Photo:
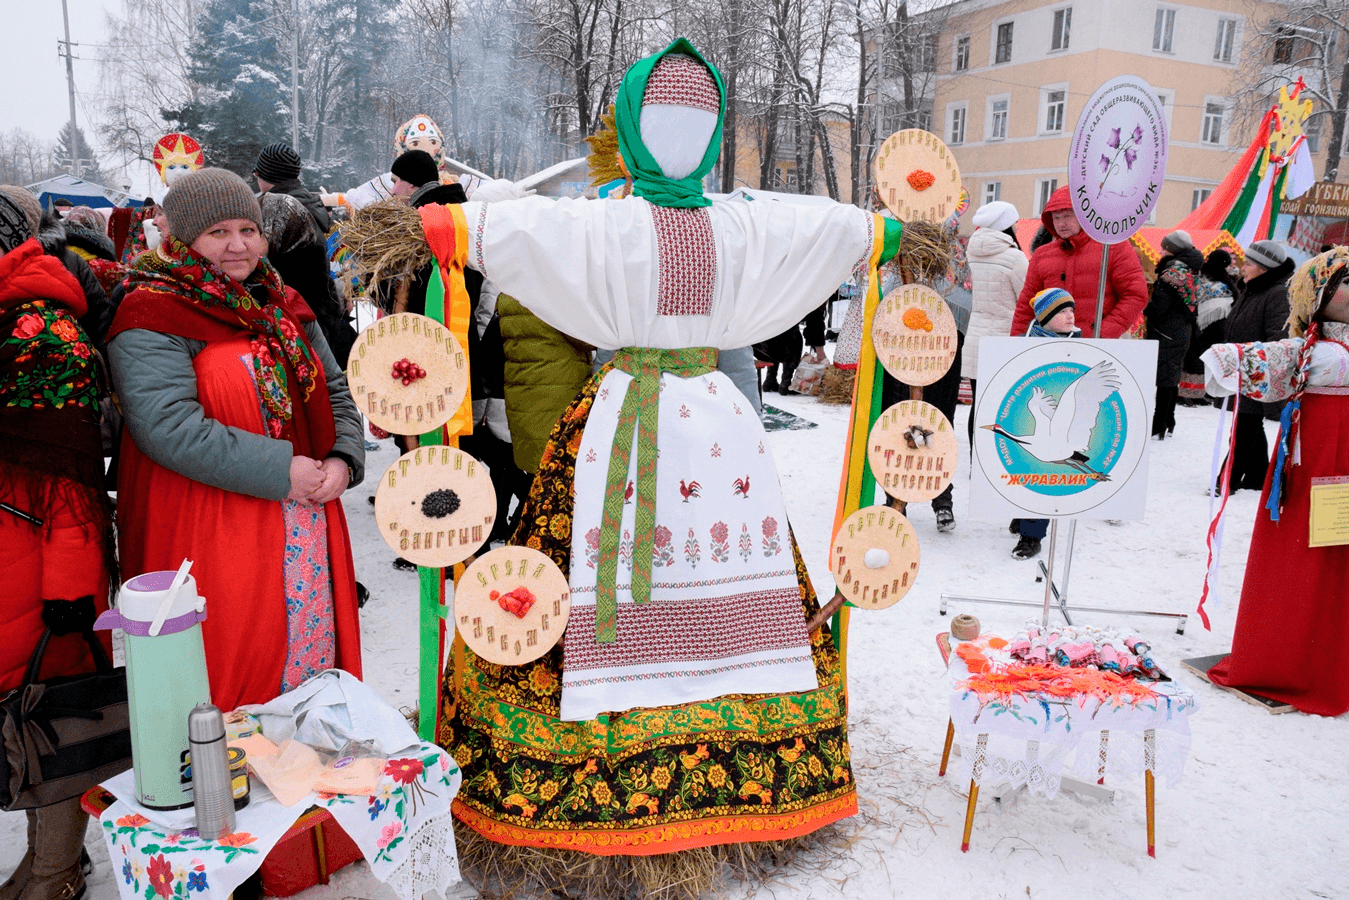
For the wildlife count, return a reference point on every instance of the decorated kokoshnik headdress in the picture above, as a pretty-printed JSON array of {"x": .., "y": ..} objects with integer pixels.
[
  {"x": 1311, "y": 286},
  {"x": 668, "y": 115},
  {"x": 176, "y": 154}
]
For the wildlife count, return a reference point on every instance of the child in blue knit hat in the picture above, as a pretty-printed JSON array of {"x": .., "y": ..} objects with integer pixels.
[{"x": 1055, "y": 315}]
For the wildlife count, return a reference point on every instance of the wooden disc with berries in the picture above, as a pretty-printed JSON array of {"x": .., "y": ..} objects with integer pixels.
[
  {"x": 874, "y": 557},
  {"x": 408, "y": 373},
  {"x": 435, "y": 505},
  {"x": 912, "y": 451},
  {"x": 917, "y": 176},
  {"x": 914, "y": 334},
  {"x": 511, "y": 605}
]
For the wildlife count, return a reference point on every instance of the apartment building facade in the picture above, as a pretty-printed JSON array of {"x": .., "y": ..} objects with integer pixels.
[{"x": 1014, "y": 75}]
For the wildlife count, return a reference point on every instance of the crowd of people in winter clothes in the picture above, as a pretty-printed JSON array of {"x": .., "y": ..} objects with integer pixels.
[{"x": 226, "y": 338}]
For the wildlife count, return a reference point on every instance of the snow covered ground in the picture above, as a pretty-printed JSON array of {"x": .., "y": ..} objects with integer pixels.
[{"x": 1260, "y": 811}]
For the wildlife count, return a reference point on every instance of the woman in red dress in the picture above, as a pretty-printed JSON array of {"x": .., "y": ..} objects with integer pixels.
[{"x": 241, "y": 435}]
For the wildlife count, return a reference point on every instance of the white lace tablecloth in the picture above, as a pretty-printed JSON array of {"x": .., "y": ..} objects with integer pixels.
[
  {"x": 1035, "y": 739},
  {"x": 404, "y": 830}
]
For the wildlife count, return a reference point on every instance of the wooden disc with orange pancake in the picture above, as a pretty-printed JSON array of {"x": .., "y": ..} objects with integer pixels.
[
  {"x": 435, "y": 505},
  {"x": 912, "y": 451},
  {"x": 914, "y": 334},
  {"x": 917, "y": 176},
  {"x": 874, "y": 557},
  {"x": 408, "y": 373},
  {"x": 511, "y": 605}
]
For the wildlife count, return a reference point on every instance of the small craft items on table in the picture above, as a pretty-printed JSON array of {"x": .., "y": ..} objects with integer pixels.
[
  {"x": 1083, "y": 700},
  {"x": 395, "y": 808}
]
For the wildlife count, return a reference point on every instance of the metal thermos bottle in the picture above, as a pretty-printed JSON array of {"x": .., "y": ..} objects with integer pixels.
[{"x": 212, "y": 795}]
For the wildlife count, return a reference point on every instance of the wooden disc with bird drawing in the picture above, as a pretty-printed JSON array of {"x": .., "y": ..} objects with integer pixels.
[
  {"x": 511, "y": 605},
  {"x": 874, "y": 557},
  {"x": 914, "y": 334},
  {"x": 435, "y": 505},
  {"x": 917, "y": 176},
  {"x": 912, "y": 451},
  {"x": 408, "y": 373}
]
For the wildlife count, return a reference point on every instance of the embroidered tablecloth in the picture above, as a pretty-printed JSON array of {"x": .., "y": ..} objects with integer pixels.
[
  {"x": 404, "y": 830},
  {"x": 1033, "y": 739}
]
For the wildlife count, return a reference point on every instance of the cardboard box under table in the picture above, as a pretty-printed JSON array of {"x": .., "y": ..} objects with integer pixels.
[{"x": 1013, "y": 734}]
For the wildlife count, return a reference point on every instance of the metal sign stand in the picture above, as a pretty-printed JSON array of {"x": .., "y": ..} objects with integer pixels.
[{"x": 1057, "y": 593}]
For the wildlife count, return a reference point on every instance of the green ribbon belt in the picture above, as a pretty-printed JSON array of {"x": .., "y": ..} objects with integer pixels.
[{"x": 638, "y": 413}]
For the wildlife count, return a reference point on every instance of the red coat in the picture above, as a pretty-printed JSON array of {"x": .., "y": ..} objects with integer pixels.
[{"x": 1075, "y": 266}]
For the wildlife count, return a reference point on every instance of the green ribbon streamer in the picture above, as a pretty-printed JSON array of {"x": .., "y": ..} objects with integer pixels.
[
  {"x": 639, "y": 413},
  {"x": 648, "y": 181},
  {"x": 1245, "y": 200},
  {"x": 431, "y": 578}
]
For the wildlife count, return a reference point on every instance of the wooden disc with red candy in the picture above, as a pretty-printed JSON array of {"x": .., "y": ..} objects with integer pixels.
[
  {"x": 912, "y": 451},
  {"x": 511, "y": 605},
  {"x": 914, "y": 334},
  {"x": 408, "y": 373},
  {"x": 874, "y": 557}
]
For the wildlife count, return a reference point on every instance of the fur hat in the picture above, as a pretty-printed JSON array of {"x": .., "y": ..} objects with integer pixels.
[
  {"x": 416, "y": 167},
  {"x": 206, "y": 197},
  {"x": 998, "y": 216},
  {"x": 1049, "y": 303},
  {"x": 27, "y": 204},
  {"x": 1267, "y": 254},
  {"x": 278, "y": 162},
  {"x": 1177, "y": 240}
]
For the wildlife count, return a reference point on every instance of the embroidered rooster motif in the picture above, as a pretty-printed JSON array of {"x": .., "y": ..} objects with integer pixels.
[
  {"x": 690, "y": 490},
  {"x": 741, "y": 487},
  {"x": 627, "y": 494}
]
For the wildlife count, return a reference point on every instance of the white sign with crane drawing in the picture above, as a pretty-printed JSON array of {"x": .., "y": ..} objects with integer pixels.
[{"x": 1061, "y": 428}]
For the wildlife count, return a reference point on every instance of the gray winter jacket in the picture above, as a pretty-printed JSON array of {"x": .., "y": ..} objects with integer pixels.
[{"x": 157, "y": 387}]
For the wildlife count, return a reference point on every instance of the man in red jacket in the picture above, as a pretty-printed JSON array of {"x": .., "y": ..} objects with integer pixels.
[{"x": 1073, "y": 262}]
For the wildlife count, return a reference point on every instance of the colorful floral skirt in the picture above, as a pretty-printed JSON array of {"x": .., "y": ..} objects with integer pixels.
[{"x": 642, "y": 781}]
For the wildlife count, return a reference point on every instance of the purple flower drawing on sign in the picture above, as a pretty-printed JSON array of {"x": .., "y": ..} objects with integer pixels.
[{"x": 1125, "y": 147}]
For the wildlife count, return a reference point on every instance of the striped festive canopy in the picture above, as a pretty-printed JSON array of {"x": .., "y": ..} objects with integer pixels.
[{"x": 1275, "y": 167}]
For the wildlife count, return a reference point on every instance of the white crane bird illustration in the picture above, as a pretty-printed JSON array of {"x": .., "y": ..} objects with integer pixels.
[{"x": 1063, "y": 427}]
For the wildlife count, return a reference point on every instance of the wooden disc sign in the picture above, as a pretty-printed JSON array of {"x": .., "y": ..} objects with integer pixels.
[
  {"x": 912, "y": 451},
  {"x": 914, "y": 334},
  {"x": 874, "y": 557},
  {"x": 435, "y": 505},
  {"x": 511, "y": 605},
  {"x": 917, "y": 176},
  {"x": 408, "y": 373}
]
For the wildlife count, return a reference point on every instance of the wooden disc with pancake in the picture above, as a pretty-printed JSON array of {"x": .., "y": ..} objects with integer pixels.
[
  {"x": 874, "y": 557},
  {"x": 408, "y": 373},
  {"x": 917, "y": 176},
  {"x": 914, "y": 334},
  {"x": 511, "y": 605},
  {"x": 912, "y": 451},
  {"x": 435, "y": 505}
]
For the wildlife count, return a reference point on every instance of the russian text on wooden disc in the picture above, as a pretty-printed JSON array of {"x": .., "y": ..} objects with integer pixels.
[
  {"x": 917, "y": 176},
  {"x": 435, "y": 505},
  {"x": 408, "y": 343},
  {"x": 511, "y": 605},
  {"x": 874, "y": 557},
  {"x": 912, "y": 451},
  {"x": 914, "y": 334}
]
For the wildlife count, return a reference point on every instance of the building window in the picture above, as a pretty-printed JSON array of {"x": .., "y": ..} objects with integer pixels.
[
  {"x": 1283, "y": 46},
  {"x": 1312, "y": 129},
  {"x": 1227, "y": 33},
  {"x": 992, "y": 191},
  {"x": 962, "y": 53},
  {"x": 929, "y": 52},
  {"x": 892, "y": 117},
  {"x": 957, "y": 119},
  {"x": 1198, "y": 197},
  {"x": 997, "y": 118},
  {"x": 1055, "y": 101},
  {"x": 1212, "y": 132},
  {"x": 925, "y": 116},
  {"x": 1063, "y": 20},
  {"x": 1003, "y": 53},
  {"x": 1167, "y": 100},
  {"x": 1163, "y": 30},
  {"x": 1044, "y": 189}
]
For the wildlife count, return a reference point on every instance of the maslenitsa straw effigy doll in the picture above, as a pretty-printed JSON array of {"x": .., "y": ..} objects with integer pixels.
[{"x": 688, "y": 717}]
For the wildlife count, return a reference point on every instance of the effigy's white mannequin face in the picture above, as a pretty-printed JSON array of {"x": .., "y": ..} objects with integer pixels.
[
  {"x": 1337, "y": 307},
  {"x": 677, "y": 137},
  {"x": 425, "y": 142}
]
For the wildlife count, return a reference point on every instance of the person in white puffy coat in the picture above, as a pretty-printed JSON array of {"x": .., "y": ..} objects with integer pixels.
[{"x": 998, "y": 270}]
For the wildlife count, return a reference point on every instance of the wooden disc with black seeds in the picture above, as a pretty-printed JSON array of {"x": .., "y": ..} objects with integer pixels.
[{"x": 435, "y": 505}]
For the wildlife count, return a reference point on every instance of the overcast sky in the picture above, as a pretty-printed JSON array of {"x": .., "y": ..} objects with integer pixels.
[{"x": 35, "y": 97}]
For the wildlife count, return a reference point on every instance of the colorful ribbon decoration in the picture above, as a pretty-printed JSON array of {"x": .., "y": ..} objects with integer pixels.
[{"x": 638, "y": 413}]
